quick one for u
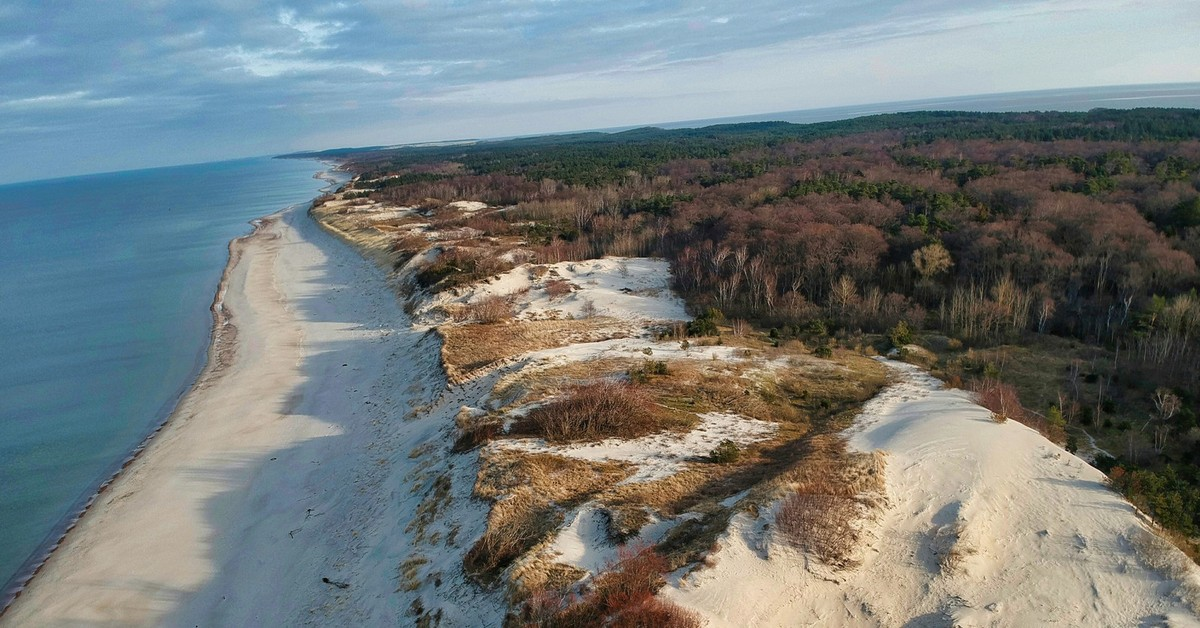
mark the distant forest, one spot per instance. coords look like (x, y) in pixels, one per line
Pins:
(1073, 237)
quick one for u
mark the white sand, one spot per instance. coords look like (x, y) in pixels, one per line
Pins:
(1041, 540)
(632, 289)
(282, 467)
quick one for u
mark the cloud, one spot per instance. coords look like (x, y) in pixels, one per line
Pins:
(12, 47)
(312, 32)
(165, 79)
(269, 63)
(71, 99)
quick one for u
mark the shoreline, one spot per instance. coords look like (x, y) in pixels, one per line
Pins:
(235, 513)
(220, 344)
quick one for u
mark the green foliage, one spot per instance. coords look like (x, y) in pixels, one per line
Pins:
(706, 323)
(726, 452)
(900, 335)
(816, 327)
(1170, 496)
(823, 350)
(1054, 417)
(649, 368)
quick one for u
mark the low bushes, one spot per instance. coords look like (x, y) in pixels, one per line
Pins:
(460, 266)
(726, 452)
(593, 411)
(620, 598)
(556, 288)
(489, 310)
(1002, 399)
(819, 518)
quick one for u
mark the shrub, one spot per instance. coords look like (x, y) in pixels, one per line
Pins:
(489, 310)
(474, 434)
(556, 288)
(1003, 401)
(726, 452)
(459, 266)
(648, 369)
(622, 597)
(706, 323)
(823, 351)
(593, 411)
(900, 335)
(818, 518)
(1055, 417)
(1000, 398)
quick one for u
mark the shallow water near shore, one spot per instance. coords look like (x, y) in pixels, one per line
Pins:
(105, 287)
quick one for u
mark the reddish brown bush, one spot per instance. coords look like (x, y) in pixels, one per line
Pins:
(622, 597)
(1000, 398)
(593, 411)
(557, 288)
(1003, 401)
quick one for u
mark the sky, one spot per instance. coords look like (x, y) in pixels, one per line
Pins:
(101, 85)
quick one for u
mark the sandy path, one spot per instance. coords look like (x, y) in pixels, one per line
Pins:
(250, 495)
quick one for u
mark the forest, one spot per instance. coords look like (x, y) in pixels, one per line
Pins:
(1049, 256)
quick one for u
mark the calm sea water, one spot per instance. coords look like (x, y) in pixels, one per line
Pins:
(1186, 95)
(105, 285)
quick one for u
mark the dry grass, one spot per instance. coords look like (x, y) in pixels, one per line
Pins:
(536, 382)
(474, 431)
(410, 572)
(490, 310)
(468, 348)
(435, 502)
(832, 491)
(532, 491)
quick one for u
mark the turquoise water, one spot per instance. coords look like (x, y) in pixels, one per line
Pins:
(105, 287)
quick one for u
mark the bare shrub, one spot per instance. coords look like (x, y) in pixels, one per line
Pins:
(460, 266)
(489, 310)
(1003, 401)
(592, 412)
(556, 288)
(819, 518)
(1000, 398)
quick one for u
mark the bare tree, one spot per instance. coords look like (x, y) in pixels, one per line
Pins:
(1166, 405)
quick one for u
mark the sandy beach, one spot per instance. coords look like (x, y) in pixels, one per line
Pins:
(255, 490)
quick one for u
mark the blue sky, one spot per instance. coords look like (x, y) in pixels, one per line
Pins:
(98, 85)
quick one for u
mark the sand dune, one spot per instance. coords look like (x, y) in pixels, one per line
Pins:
(989, 525)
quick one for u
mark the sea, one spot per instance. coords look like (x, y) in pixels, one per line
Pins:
(105, 287)
(106, 282)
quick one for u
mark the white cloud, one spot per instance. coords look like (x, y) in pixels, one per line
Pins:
(13, 47)
(79, 98)
(312, 32)
(269, 63)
